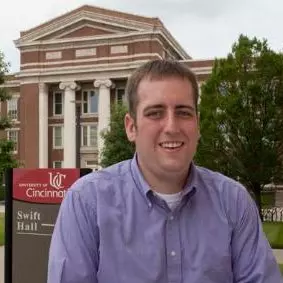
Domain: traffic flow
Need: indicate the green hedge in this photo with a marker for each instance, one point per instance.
(274, 234)
(268, 199)
(2, 193)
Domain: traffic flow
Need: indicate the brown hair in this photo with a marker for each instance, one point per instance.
(155, 70)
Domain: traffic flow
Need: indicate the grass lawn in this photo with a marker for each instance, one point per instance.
(2, 229)
(274, 233)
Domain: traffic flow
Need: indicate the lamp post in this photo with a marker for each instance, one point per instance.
(78, 132)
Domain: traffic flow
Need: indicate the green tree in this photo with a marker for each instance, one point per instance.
(116, 145)
(241, 116)
(7, 159)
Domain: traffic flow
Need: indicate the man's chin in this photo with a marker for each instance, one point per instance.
(175, 168)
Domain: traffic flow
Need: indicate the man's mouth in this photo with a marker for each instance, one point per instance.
(171, 145)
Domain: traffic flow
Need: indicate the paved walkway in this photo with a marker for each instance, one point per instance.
(1, 264)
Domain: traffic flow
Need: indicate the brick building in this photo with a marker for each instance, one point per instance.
(80, 59)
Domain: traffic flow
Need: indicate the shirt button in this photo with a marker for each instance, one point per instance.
(173, 253)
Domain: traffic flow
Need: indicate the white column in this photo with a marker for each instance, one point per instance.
(43, 125)
(103, 110)
(69, 132)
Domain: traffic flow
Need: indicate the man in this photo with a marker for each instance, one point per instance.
(159, 218)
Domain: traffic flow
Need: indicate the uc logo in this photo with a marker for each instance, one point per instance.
(56, 180)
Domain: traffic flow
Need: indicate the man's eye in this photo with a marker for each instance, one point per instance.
(184, 113)
(154, 114)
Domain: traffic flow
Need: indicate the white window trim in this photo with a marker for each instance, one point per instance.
(88, 102)
(53, 136)
(17, 131)
(53, 106)
(88, 136)
(94, 167)
(14, 97)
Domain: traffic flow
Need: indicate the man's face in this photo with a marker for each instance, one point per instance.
(166, 129)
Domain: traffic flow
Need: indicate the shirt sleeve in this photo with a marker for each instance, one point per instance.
(253, 259)
(73, 256)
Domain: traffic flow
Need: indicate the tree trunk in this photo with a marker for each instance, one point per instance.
(257, 192)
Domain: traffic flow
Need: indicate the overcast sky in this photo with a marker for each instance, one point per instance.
(205, 28)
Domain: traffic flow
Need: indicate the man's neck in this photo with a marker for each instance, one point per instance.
(165, 183)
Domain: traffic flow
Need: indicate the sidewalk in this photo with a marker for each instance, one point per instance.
(279, 255)
(1, 264)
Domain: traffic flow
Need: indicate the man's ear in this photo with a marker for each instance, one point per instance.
(130, 127)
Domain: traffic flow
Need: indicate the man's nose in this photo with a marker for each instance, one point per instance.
(171, 123)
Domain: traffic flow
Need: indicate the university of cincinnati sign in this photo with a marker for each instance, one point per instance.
(43, 185)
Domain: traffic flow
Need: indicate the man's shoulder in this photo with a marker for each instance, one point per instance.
(226, 194)
(111, 175)
(216, 180)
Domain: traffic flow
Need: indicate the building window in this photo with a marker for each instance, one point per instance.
(89, 102)
(92, 164)
(58, 103)
(120, 95)
(89, 136)
(12, 135)
(12, 108)
(57, 137)
(57, 164)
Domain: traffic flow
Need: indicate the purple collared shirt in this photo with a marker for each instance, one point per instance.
(111, 228)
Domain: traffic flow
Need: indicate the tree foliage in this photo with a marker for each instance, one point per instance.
(116, 145)
(7, 159)
(242, 116)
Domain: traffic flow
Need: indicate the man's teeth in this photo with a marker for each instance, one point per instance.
(171, 144)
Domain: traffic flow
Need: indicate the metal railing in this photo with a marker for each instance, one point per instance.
(272, 214)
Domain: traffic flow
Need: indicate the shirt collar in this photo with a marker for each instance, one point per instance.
(144, 187)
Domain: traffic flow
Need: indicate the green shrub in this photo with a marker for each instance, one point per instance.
(2, 224)
(274, 234)
(2, 193)
(268, 199)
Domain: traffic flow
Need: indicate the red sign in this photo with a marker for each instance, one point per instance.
(43, 185)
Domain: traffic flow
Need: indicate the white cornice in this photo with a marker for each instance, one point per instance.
(80, 69)
(174, 44)
(12, 83)
(83, 39)
(90, 60)
(201, 70)
(119, 70)
(91, 44)
(196, 60)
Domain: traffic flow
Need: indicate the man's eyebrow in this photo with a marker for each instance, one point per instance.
(155, 106)
(186, 107)
(161, 106)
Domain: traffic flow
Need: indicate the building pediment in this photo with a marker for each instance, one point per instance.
(87, 21)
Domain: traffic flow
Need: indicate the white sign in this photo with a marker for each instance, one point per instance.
(119, 49)
(53, 55)
(85, 52)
